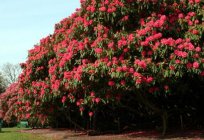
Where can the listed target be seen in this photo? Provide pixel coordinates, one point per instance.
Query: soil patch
(67, 134)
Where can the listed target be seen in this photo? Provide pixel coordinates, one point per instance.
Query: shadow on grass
(6, 131)
(170, 135)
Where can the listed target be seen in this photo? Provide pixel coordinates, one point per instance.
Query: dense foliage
(8, 103)
(135, 58)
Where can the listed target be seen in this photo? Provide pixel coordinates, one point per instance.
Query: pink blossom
(64, 99)
(136, 74)
(131, 37)
(197, 1)
(110, 45)
(90, 114)
(189, 65)
(122, 82)
(142, 64)
(78, 103)
(178, 41)
(177, 61)
(195, 65)
(190, 46)
(163, 17)
(171, 67)
(97, 100)
(27, 116)
(149, 79)
(102, 9)
(131, 70)
(92, 93)
(111, 83)
(166, 87)
(197, 49)
(144, 43)
(180, 15)
(98, 50)
(139, 81)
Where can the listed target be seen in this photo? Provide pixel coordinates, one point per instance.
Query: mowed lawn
(15, 134)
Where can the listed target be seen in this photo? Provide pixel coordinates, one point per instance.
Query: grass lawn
(14, 134)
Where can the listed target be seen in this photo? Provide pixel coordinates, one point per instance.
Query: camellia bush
(8, 104)
(116, 55)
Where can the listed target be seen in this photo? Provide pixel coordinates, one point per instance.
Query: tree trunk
(181, 120)
(74, 123)
(164, 122)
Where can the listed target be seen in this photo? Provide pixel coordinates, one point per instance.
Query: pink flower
(139, 81)
(190, 47)
(125, 50)
(195, 65)
(131, 70)
(181, 15)
(119, 69)
(178, 41)
(78, 103)
(145, 43)
(81, 109)
(102, 9)
(97, 100)
(157, 36)
(136, 74)
(64, 99)
(125, 18)
(56, 85)
(27, 116)
(197, 49)
(125, 68)
(166, 87)
(122, 82)
(149, 79)
(110, 45)
(98, 50)
(111, 83)
(91, 9)
(81, 46)
(189, 65)
(196, 21)
(190, 23)
(171, 67)
(163, 17)
(90, 114)
(195, 32)
(197, 1)
(177, 61)
(131, 37)
(92, 93)
(142, 64)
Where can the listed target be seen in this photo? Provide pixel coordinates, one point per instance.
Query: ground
(66, 134)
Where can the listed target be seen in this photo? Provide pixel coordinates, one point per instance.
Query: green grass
(13, 134)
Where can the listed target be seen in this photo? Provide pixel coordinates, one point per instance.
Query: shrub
(116, 53)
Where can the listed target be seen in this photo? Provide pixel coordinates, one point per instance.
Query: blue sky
(24, 22)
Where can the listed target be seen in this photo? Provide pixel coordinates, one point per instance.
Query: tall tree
(11, 72)
(2, 83)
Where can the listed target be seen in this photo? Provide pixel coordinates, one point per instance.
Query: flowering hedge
(110, 48)
(8, 103)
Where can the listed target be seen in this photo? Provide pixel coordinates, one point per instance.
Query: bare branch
(11, 72)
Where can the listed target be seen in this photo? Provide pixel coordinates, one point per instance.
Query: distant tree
(2, 83)
(11, 72)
